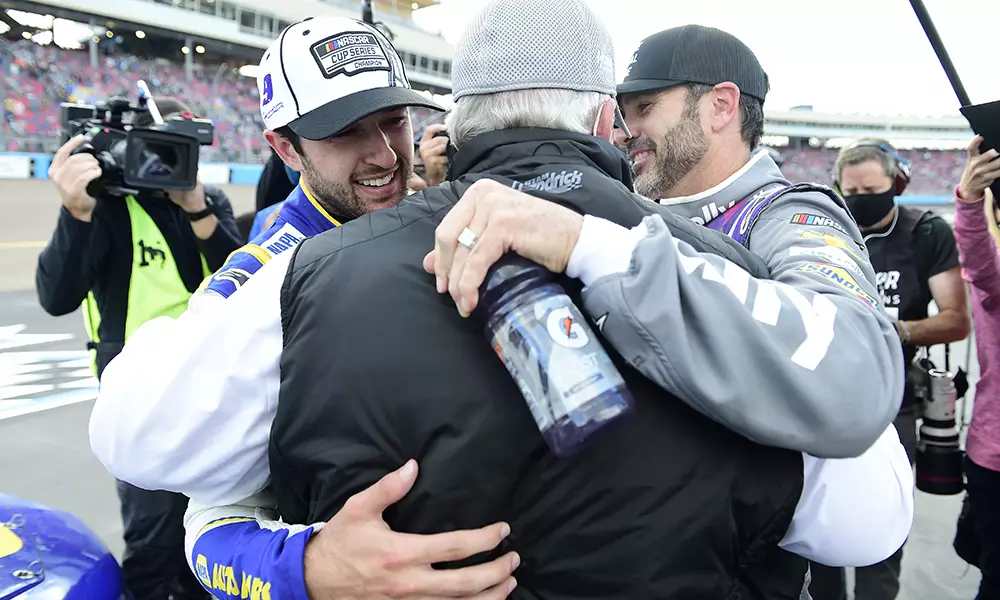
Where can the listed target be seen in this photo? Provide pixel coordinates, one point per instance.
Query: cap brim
(637, 86)
(336, 116)
(620, 121)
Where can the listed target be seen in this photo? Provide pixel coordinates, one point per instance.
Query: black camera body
(451, 150)
(163, 156)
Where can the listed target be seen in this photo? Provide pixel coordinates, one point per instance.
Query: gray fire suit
(814, 347)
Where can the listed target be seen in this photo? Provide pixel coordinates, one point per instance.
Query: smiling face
(362, 169)
(668, 140)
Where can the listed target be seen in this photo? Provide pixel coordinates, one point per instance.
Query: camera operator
(916, 261)
(128, 260)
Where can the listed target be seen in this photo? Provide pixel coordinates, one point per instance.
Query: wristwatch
(903, 331)
(201, 214)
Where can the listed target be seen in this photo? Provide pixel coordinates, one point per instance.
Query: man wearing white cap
(334, 98)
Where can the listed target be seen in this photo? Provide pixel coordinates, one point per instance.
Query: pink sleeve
(976, 249)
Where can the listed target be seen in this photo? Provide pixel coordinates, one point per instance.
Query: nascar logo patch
(816, 221)
(350, 54)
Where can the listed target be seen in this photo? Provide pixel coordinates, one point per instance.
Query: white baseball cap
(323, 74)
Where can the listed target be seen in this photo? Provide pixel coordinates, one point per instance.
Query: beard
(679, 151)
(339, 198)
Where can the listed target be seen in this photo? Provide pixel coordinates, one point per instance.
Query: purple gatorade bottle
(569, 382)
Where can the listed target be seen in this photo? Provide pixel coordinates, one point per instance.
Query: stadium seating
(935, 173)
(41, 77)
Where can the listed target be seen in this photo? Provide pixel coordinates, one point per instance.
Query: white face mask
(597, 124)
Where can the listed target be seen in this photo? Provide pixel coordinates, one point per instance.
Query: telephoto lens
(939, 455)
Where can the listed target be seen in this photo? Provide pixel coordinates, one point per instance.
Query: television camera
(163, 156)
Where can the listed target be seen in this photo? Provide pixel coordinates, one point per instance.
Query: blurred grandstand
(205, 51)
(935, 172)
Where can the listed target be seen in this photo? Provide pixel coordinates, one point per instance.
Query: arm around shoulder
(852, 391)
(187, 406)
(242, 551)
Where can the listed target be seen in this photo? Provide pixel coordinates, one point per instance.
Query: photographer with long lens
(916, 261)
(129, 253)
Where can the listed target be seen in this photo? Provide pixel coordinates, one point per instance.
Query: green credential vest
(155, 286)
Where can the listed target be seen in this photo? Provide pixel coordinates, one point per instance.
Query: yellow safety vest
(155, 287)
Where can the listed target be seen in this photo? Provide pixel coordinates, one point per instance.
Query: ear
(725, 108)
(604, 125)
(284, 149)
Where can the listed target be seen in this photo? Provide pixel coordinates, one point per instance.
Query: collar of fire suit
(319, 208)
(760, 171)
(490, 151)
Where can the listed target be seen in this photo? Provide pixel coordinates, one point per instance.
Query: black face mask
(869, 209)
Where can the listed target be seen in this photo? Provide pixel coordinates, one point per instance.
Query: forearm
(746, 352)
(943, 328)
(240, 551)
(62, 277)
(217, 362)
(976, 247)
(219, 244)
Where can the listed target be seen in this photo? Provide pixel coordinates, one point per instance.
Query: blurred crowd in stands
(934, 171)
(38, 78)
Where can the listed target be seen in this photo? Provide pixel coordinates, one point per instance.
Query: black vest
(904, 289)
(378, 368)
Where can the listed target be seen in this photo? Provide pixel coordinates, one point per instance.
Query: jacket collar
(492, 151)
(759, 172)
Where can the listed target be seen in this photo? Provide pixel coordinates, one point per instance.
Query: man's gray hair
(566, 110)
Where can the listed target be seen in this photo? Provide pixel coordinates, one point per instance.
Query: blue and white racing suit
(300, 217)
(236, 552)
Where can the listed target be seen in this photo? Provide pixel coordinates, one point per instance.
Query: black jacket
(378, 368)
(97, 256)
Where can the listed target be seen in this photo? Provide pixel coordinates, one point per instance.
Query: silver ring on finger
(468, 238)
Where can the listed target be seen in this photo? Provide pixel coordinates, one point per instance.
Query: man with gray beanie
(373, 369)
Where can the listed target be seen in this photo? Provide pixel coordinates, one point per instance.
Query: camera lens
(159, 161)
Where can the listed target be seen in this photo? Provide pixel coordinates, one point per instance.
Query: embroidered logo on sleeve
(816, 221)
(831, 240)
(828, 254)
(842, 278)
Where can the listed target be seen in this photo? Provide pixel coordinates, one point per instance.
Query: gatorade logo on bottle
(564, 329)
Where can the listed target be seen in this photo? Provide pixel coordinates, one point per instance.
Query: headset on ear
(902, 165)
